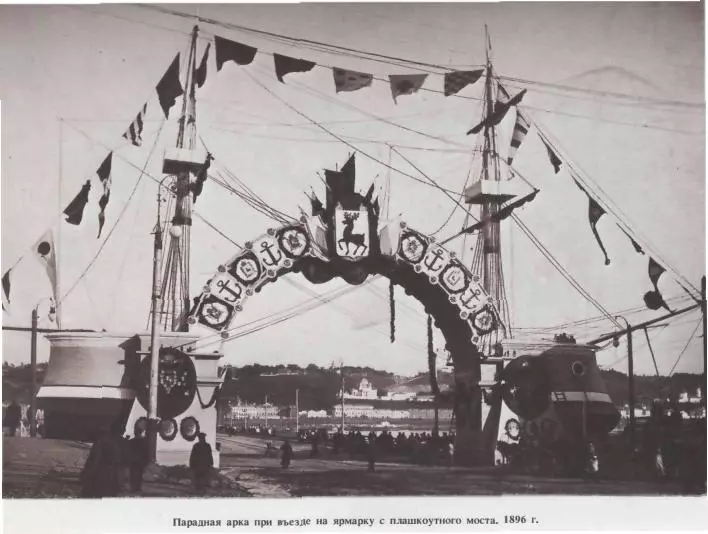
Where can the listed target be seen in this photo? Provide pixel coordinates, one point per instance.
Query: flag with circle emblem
(43, 251)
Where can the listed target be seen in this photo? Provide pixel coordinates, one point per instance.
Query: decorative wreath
(168, 429)
(512, 428)
(484, 321)
(140, 426)
(577, 368)
(189, 428)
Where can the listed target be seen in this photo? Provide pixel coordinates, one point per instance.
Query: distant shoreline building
(366, 402)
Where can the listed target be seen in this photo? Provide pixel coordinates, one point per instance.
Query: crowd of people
(416, 447)
(16, 420)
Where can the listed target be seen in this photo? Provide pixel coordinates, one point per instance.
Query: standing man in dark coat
(286, 454)
(99, 477)
(201, 461)
(371, 452)
(139, 458)
(12, 417)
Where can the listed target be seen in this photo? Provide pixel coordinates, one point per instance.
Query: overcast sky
(91, 68)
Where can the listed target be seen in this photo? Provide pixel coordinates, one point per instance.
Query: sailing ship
(538, 391)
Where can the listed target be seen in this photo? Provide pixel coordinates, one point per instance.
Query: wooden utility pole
(33, 367)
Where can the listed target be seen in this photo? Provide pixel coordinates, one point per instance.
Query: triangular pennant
(104, 174)
(286, 65)
(135, 130)
(457, 80)
(104, 170)
(521, 128)
(6, 290)
(349, 80)
(75, 210)
(227, 50)
(653, 299)
(201, 73)
(406, 84)
(595, 211)
(46, 255)
(202, 175)
(552, 156)
(501, 107)
(169, 87)
(655, 272)
(637, 246)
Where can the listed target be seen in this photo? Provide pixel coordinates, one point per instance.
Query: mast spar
(175, 279)
(487, 261)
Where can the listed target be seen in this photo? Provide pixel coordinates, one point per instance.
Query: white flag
(44, 252)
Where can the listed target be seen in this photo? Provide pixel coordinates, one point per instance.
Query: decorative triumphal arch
(345, 238)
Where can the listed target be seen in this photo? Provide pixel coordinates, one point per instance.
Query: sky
(73, 77)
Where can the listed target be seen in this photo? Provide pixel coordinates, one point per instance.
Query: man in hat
(12, 417)
(201, 462)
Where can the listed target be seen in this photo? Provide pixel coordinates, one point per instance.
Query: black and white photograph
(321, 254)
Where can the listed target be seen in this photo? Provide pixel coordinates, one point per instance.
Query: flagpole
(57, 250)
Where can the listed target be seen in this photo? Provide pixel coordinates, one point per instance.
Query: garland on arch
(214, 398)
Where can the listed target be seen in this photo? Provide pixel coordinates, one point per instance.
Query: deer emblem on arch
(357, 240)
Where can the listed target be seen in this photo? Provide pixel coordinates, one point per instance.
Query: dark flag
(457, 80)
(405, 84)
(104, 174)
(135, 130)
(316, 205)
(340, 183)
(232, 51)
(202, 175)
(169, 87)
(502, 213)
(500, 110)
(349, 80)
(653, 299)
(285, 65)
(201, 72)
(75, 210)
(6, 290)
(595, 211)
(553, 157)
(636, 245)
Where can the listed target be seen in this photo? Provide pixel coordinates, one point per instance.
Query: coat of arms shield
(351, 234)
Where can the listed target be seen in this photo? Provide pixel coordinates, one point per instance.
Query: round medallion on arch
(453, 278)
(294, 242)
(484, 321)
(413, 247)
(214, 312)
(246, 269)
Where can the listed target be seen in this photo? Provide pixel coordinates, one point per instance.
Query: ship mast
(487, 262)
(175, 278)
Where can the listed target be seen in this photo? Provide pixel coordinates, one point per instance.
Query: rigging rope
(698, 324)
(609, 205)
(118, 219)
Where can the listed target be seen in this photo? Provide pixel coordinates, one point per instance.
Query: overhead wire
(678, 359)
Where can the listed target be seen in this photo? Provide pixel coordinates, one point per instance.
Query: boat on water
(548, 391)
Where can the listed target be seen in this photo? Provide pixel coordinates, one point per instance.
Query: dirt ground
(37, 468)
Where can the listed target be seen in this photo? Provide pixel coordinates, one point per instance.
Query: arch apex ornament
(345, 238)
